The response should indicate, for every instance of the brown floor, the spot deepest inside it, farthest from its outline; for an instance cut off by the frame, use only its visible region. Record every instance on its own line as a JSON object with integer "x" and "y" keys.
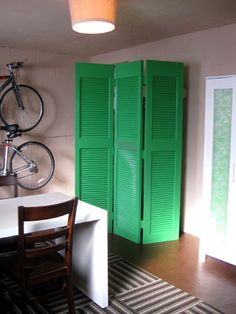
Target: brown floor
{"x": 177, "y": 262}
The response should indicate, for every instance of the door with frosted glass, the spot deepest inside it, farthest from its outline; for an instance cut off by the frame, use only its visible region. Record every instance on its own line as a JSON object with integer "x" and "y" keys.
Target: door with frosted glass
{"x": 219, "y": 212}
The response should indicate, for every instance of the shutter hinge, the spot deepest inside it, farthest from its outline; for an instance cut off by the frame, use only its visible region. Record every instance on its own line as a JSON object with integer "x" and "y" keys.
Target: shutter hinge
{"x": 144, "y": 90}
{"x": 114, "y": 98}
{"x": 141, "y": 224}
{"x": 143, "y": 154}
{"x": 184, "y": 93}
{"x": 144, "y": 96}
{"x": 111, "y": 215}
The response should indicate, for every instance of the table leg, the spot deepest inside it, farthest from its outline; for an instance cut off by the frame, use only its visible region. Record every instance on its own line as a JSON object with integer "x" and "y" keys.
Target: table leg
{"x": 90, "y": 260}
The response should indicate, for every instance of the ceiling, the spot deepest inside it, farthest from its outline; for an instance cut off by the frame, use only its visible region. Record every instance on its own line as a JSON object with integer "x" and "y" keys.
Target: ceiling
{"x": 45, "y": 24}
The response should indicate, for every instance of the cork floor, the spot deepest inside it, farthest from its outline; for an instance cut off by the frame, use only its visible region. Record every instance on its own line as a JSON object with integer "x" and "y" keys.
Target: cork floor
{"x": 177, "y": 262}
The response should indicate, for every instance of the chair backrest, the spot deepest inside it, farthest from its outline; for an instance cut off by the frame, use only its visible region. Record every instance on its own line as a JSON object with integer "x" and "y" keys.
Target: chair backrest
{"x": 10, "y": 180}
{"x": 54, "y": 240}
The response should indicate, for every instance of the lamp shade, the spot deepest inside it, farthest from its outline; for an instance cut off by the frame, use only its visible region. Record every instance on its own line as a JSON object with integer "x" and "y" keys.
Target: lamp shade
{"x": 93, "y": 16}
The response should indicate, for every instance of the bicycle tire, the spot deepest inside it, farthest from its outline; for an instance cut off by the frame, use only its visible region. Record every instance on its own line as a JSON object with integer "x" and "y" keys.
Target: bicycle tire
{"x": 35, "y": 178}
{"x": 30, "y": 116}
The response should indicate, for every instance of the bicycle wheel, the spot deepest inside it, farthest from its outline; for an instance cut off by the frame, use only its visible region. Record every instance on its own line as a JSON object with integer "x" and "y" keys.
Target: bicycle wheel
{"x": 28, "y": 117}
{"x": 42, "y": 165}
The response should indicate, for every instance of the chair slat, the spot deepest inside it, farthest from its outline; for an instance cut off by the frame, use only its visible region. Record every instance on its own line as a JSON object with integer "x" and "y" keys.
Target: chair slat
{"x": 42, "y": 212}
{"x": 46, "y": 250}
{"x": 46, "y": 235}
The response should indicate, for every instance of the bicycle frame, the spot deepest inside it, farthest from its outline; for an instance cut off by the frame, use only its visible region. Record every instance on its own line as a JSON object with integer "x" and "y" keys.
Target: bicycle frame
{"x": 29, "y": 164}
{"x": 11, "y": 80}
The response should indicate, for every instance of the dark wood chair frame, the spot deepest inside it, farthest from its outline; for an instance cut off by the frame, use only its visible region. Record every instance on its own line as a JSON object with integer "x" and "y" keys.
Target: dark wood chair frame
{"x": 38, "y": 259}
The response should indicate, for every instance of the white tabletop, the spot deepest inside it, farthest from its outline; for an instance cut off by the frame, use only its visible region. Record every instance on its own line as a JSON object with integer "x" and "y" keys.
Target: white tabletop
{"x": 9, "y": 211}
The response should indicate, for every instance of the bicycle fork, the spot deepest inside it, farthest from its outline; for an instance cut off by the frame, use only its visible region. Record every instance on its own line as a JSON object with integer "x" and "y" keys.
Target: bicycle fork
{"x": 16, "y": 90}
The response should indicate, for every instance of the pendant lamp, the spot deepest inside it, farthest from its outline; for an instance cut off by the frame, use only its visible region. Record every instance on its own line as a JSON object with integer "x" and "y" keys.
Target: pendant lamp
{"x": 93, "y": 16}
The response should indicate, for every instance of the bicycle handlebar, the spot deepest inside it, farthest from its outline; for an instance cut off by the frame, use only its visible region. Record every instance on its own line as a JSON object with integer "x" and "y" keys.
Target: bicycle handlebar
{"x": 15, "y": 65}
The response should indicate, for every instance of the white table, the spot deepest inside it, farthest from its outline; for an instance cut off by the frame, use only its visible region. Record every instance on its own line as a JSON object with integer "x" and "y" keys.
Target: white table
{"x": 90, "y": 265}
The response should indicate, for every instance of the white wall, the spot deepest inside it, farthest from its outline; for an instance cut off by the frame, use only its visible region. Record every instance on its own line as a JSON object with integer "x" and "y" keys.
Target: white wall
{"x": 205, "y": 53}
{"x": 53, "y": 76}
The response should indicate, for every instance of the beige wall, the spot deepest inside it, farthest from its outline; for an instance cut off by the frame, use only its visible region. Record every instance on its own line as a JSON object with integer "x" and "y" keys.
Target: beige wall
{"x": 53, "y": 76}
{"x": 205, "y": 53}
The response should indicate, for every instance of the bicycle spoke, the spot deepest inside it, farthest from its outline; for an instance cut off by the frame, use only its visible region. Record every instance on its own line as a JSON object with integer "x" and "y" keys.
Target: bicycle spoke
{"x": 12, "y": 113}
{"x": 40, "y": 167}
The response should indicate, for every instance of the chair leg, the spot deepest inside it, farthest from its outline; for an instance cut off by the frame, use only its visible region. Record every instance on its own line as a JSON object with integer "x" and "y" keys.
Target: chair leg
{"x": 70, "y": 295}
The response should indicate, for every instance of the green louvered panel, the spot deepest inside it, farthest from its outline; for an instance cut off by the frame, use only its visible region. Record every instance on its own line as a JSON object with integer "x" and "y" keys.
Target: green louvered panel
{"x": 125, "y": 215}
{"x": 94, "y": 187}
{"x": 127, "y": 108}
{"x": 163, "y": 151}
{"x": 128, "y": 147}
{"x": 163, "y": 189}
{"x": 94, "y": 113}
{"x": 164, "y": 110}
{"x": 94, "y": 135}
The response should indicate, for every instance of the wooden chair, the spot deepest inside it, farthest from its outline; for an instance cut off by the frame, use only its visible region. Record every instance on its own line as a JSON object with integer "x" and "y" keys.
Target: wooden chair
{"x": 10, "y": 180}
{"x": 35, "y": 262}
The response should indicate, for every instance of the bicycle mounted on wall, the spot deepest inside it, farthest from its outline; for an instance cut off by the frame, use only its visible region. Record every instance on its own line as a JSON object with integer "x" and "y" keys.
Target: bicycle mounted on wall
{"x": 20, "y": 104}
{"x": 21, "y": 110}
{"x": 32, "y": 162}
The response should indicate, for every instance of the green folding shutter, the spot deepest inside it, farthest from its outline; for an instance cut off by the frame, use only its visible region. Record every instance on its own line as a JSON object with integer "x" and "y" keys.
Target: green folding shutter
{"x": 94, "y": 135}
{"x": 163, "y": 151}
{"x": 128, "y": 147}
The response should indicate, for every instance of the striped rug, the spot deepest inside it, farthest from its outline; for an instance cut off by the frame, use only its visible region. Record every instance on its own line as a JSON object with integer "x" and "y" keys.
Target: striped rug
{"x": 131, "y": 290}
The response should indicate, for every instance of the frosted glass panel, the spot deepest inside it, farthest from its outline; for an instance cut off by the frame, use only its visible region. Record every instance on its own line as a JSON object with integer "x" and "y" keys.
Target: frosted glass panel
{"x": 221, "y": 158}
